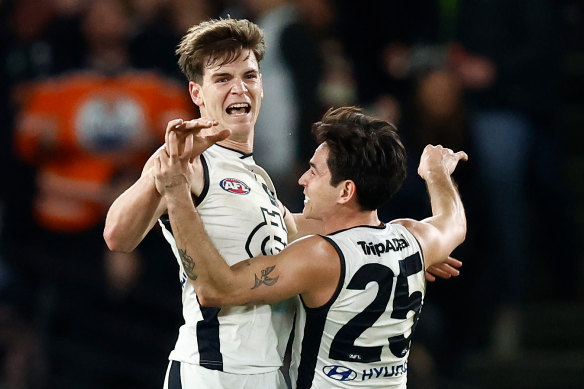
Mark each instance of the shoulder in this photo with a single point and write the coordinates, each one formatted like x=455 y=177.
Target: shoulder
x=313 y=243
x=417 y=228
x=319 y=263
x=429 y=238
x=312 y=252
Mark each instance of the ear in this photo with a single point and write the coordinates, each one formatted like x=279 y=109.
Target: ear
x=347 y=192
x=195 y=92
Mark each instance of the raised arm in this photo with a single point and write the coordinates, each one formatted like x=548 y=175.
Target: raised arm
x=133 y=214
x=258 y=280
x=441 y=233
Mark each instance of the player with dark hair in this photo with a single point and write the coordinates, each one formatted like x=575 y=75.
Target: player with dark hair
x=361 y=283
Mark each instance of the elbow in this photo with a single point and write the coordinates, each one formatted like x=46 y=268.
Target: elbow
x=209 y=297
x=461 y=232
x=114 y=241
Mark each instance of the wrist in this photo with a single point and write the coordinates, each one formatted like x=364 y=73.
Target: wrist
x=178 y=200
x=177 y=188
x=433 y=176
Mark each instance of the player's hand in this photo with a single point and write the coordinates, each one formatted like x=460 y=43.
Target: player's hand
x=448 y=268
x=205 y=133
x=171 y=168
x=439 y=160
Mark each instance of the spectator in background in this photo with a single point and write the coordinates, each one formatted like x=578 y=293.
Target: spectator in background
x=507 y=62
x=291 y=71
x=29 y=48
x=87 y=133
x=158 y=27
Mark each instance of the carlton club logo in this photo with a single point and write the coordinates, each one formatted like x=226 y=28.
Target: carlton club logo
x=339 y=373
x=233 y=185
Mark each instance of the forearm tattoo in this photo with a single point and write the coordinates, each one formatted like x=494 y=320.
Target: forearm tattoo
x=188 y=264
x=265 y=278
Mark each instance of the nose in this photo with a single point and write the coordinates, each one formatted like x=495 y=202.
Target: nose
x=239 y=86
x=302 y=179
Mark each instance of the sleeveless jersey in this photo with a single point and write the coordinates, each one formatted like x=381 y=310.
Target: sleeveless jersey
x=361 y=337
x=239 y=209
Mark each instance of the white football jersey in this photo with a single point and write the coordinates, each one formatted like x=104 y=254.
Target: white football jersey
x=239 y=210
x=361 y=337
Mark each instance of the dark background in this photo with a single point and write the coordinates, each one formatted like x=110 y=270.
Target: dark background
x=462 y=73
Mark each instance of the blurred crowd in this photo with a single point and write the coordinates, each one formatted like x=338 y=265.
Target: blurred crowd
x=87 y=89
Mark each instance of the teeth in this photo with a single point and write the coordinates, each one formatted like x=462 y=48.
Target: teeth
x=239 y=105
x=306 y=199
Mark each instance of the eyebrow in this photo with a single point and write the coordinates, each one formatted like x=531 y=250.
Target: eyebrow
x=219 y=75
x=230 y=74
x=312 y=165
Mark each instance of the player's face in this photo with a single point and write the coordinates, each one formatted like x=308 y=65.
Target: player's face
x=231 y=94
x=320 y=197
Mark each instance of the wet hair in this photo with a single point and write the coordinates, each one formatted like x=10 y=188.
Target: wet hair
x=217 y=42
x=363 y=149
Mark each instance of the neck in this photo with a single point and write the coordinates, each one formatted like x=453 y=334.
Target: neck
x=245 y=146
x=342 y=220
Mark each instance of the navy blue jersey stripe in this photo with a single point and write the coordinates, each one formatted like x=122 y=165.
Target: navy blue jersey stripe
x=201 y=197
x=410 y=265
x=379 y=227
x=174 y=381
x=208 y=339
x=343 y=270
x=313 y=329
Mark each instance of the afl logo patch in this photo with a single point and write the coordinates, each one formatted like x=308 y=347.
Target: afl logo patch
x=233 y=185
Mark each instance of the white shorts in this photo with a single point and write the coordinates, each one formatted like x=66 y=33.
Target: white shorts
x=180 y=375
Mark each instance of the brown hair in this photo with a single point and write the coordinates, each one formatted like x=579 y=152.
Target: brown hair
x=363 y=149
x=218 y=42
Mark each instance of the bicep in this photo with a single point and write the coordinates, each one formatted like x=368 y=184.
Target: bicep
x=432 y=242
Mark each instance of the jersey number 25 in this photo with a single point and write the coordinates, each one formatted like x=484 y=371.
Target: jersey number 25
x=343 y=346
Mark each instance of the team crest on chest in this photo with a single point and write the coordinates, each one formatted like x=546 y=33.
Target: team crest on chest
x=235 y=186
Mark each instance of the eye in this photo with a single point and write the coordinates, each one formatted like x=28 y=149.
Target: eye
x=251 y=76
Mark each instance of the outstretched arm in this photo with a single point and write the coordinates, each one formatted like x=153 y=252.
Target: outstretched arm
x=263 y=279
x=441 y=233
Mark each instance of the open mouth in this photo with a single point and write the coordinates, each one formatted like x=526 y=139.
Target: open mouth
x=238 y=109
